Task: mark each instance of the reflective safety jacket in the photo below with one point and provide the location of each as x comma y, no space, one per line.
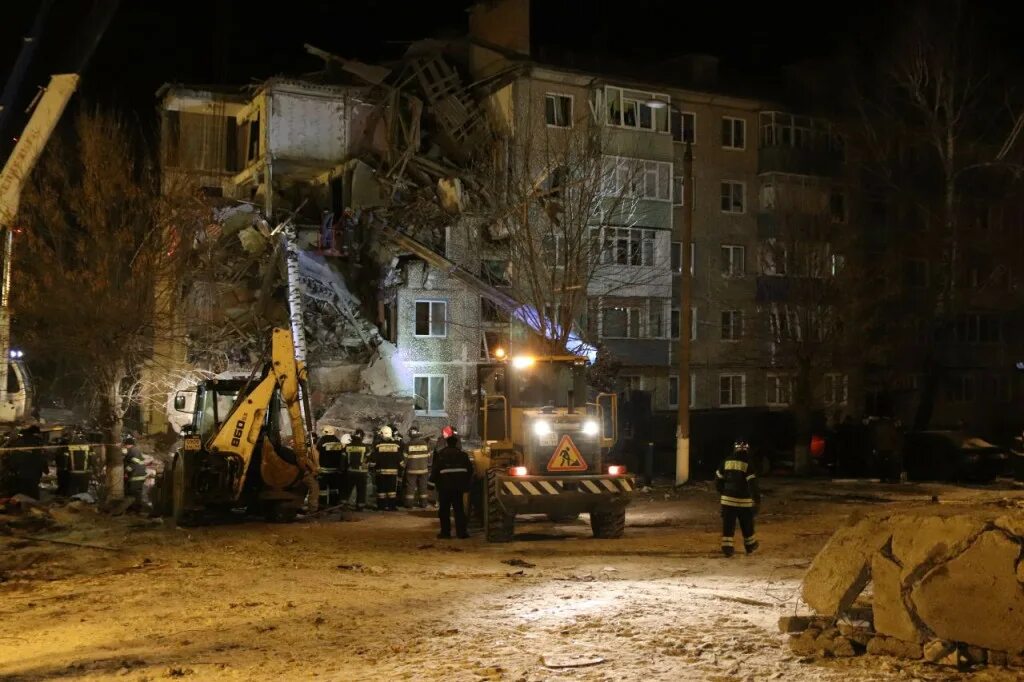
417,456
452,470
358,456
737,482
331,454
134,464
386,458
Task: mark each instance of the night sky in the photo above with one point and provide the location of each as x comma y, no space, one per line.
227,41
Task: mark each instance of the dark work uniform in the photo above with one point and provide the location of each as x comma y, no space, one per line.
332,469
357,458
451,474
134,474
386,462
26,465
417,469
740,497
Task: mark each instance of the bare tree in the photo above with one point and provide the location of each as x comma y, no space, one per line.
937,137
99,243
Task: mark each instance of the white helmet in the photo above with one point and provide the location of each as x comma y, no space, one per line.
328,431
346,438
386,433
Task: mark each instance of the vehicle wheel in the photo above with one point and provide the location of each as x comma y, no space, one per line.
499,525
179,494
563,518
608,523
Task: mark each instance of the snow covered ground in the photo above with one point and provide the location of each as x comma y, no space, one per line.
375,595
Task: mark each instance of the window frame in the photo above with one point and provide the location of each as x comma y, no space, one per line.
743,389
732,121
732,272
732,185
735,325
443,412
430,318
556,96
830,384
774,382
641,323
681,117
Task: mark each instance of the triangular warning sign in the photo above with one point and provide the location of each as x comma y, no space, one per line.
566,457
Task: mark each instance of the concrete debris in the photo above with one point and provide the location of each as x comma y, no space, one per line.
386,374
843,647
351,411
570,660
842,569
84,497
940,584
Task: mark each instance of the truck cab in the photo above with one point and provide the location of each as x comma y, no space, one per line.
547,437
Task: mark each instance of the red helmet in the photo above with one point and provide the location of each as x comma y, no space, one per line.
447,432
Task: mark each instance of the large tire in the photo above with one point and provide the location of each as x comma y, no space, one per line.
180,512
499,525
608,523
563,518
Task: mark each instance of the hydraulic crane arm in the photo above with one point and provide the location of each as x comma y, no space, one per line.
240,432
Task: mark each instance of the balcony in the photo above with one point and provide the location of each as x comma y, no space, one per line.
799,160
803,227
639,352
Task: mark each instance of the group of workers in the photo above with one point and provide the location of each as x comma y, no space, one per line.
398,465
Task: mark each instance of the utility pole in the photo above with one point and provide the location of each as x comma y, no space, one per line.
685,305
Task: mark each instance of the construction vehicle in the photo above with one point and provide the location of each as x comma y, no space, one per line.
15,390
547,439
248,444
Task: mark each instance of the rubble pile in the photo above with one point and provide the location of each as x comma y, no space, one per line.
945,588
351,411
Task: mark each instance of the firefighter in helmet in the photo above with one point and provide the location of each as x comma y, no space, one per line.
386,462
740,497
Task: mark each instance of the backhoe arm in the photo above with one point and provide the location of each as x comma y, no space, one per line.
292,379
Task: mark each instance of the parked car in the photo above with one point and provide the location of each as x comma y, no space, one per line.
952,456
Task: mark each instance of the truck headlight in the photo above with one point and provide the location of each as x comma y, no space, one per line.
541,428
590,428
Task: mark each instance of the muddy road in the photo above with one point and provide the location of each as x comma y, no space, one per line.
375,595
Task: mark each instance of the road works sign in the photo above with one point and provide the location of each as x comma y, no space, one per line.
566,457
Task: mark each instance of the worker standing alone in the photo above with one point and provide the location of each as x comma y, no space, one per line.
386,462
451,473
741,498
417,468
134,471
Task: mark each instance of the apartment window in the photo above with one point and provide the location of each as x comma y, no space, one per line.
431,318
960,389
732,325
631,382
734,133
836,386
732,390
673,391
496,272
733,260
558,110
733,197
916,273
553,247
628,109
767,197
624,245
974,328
778,390
678,191
837,262
429,394
636,178
837,206
684,127
677,323
621,323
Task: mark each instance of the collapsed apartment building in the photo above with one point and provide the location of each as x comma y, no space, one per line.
396,178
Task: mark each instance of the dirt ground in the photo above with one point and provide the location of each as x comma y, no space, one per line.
376,595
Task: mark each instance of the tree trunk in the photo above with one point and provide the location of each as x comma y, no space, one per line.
110,420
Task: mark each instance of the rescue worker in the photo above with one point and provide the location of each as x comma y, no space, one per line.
451,473
741,499
386,462
80,463
356,456
417,468
26,462
134,471
332,465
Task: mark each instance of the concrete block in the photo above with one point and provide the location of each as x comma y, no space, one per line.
858,635
975,598
890,646
791,624
938,651
843,647
842,568
891,615
921,539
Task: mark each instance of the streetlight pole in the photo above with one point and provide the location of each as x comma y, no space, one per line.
685,324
